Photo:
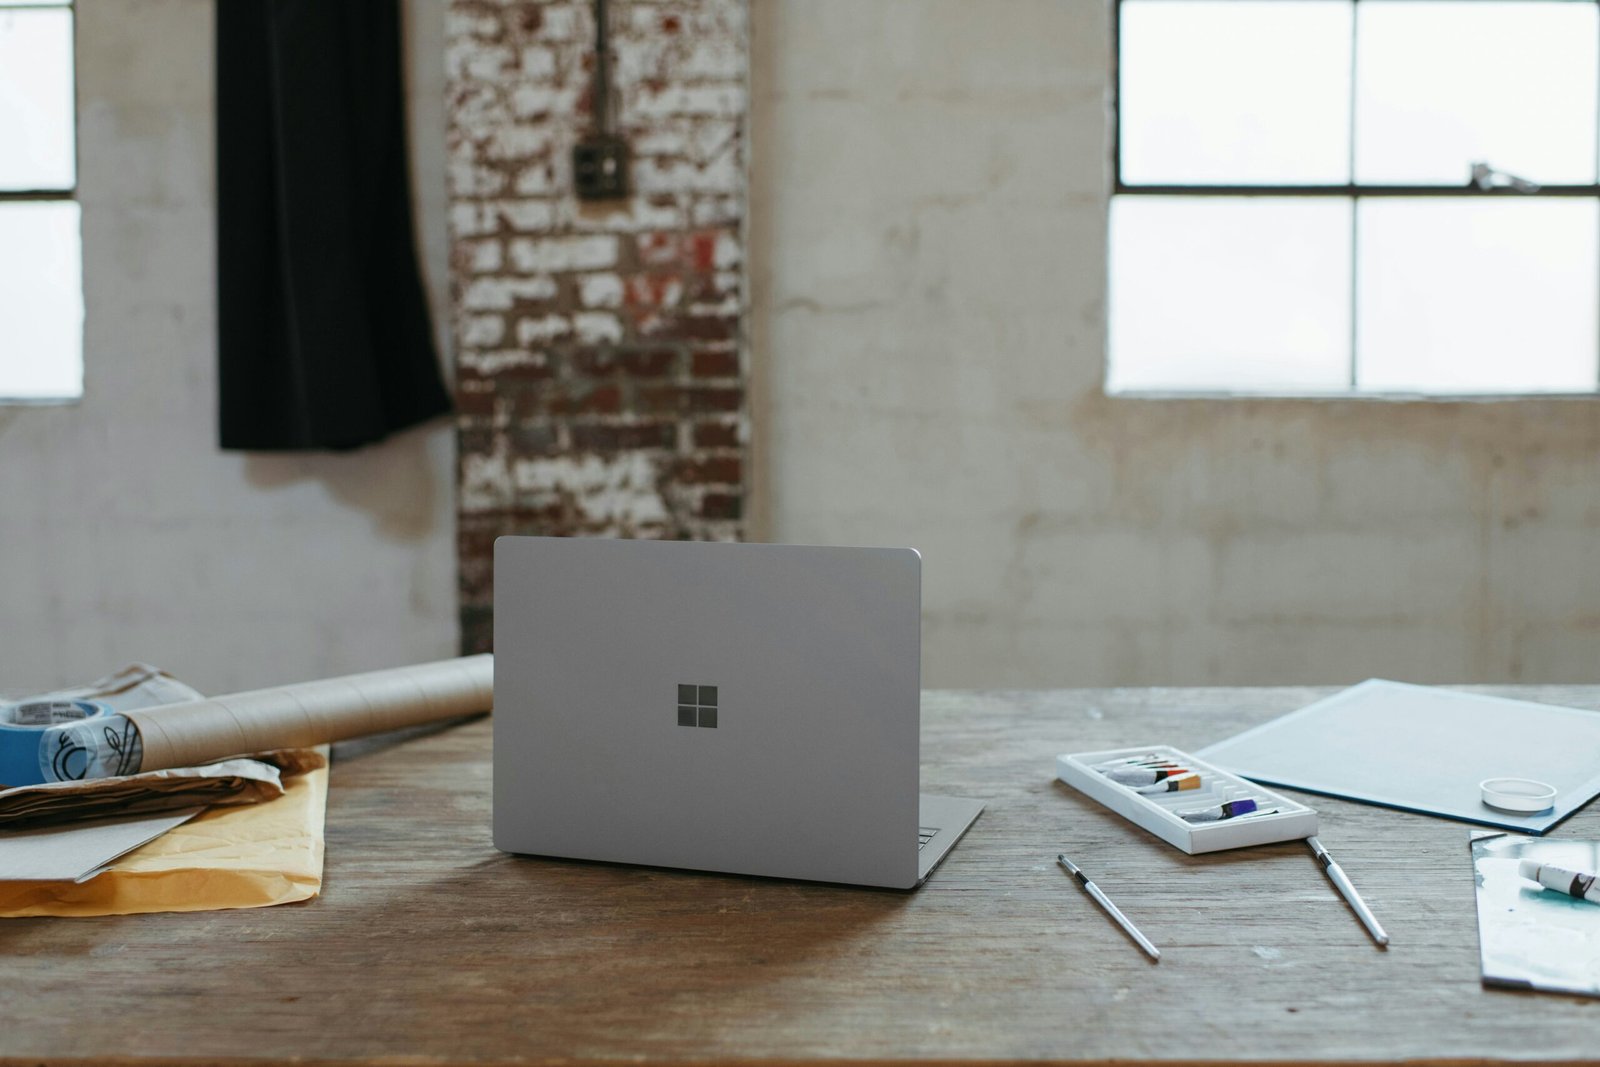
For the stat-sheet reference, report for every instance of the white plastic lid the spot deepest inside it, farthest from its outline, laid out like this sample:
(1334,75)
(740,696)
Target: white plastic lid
(1523,795)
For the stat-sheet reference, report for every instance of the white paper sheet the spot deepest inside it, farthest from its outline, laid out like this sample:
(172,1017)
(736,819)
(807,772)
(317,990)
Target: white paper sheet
(79,852)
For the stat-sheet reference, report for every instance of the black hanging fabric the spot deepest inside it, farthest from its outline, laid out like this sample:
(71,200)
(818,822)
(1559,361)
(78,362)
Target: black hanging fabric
(324,338)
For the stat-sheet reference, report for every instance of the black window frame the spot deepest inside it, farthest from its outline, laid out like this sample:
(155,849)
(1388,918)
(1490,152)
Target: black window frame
(1353,191)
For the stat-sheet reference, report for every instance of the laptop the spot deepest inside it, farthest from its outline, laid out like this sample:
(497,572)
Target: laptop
(741,708)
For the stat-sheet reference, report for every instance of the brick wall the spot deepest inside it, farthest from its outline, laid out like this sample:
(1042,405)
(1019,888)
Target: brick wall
(599,366)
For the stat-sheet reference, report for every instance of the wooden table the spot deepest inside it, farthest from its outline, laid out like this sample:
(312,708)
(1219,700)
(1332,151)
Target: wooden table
(429,946)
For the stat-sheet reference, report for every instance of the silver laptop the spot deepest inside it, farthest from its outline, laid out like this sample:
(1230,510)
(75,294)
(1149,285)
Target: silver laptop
(751,709)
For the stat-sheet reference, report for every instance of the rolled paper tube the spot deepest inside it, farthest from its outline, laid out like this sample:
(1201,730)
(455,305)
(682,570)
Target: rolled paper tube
(312,713)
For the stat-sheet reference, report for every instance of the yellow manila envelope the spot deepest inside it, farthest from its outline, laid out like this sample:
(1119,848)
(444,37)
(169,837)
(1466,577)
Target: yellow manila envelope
(249,856)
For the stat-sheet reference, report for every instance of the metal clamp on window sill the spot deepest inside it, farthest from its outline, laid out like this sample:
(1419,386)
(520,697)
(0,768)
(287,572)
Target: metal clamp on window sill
(1489,179)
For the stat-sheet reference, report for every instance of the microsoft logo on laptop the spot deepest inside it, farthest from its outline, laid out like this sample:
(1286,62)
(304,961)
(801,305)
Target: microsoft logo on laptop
(697,705)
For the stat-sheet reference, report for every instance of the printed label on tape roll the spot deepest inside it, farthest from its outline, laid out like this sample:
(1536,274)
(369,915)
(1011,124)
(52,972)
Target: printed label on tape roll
(95,748)
(48,712)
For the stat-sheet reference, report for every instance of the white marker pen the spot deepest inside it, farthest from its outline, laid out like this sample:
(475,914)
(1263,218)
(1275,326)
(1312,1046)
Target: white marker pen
(1580,884)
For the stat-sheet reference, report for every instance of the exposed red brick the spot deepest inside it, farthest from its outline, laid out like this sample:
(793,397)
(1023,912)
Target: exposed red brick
(626,314)
(476,576)
(711,288)
(716,364)
(476,441)
(476,533)
(535,439)
(722,506)
(688,399)
(477,629)
(489,526)
(702,250)
(566,398)
(544,511)
(537,369)
(692,252)
(716,435)
(653,291)
(628,362)
(623,437)
(675,327)
(712,470)
(658,249)
(474,402)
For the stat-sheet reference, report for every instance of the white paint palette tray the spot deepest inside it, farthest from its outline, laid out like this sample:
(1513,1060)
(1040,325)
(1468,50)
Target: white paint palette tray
(1275,818)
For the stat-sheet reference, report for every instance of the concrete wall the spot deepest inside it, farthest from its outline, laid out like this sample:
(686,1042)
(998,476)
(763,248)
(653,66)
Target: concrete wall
(928,201)
(124,533)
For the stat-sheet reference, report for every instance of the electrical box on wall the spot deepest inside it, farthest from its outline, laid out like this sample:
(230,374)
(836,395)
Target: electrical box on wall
(600,167)
(600,159)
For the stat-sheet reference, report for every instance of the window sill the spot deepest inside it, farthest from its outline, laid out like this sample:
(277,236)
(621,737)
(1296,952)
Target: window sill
(39,401)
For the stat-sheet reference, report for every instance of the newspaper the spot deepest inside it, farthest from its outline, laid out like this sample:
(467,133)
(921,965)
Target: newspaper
(137,685)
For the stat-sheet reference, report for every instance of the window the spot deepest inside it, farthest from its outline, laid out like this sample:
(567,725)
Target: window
(1355,196)
(41,274)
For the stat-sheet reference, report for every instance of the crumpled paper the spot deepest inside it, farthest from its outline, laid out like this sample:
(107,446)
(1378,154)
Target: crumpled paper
(235,781)
(240,856)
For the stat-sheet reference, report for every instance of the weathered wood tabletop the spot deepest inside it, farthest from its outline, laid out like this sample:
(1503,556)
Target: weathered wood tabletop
(427,945)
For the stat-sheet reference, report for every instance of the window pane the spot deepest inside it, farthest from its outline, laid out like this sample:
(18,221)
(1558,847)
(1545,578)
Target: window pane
(36,99)
(41,301)
(1243,295)
(1441,85)
(1468,296)
(1231,93)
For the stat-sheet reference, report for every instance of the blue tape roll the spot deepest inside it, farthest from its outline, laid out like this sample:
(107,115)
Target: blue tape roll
(23,730)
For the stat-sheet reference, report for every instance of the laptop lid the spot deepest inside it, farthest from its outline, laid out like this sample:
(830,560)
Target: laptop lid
(750,709)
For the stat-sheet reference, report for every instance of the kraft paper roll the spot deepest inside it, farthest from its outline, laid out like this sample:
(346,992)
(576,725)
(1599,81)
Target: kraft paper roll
(313,713)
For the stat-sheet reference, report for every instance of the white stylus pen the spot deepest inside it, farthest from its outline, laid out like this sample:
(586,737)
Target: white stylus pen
(1110,908)
(1341,882)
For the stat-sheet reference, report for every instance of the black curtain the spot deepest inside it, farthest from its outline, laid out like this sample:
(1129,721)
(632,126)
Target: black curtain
(324,339)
